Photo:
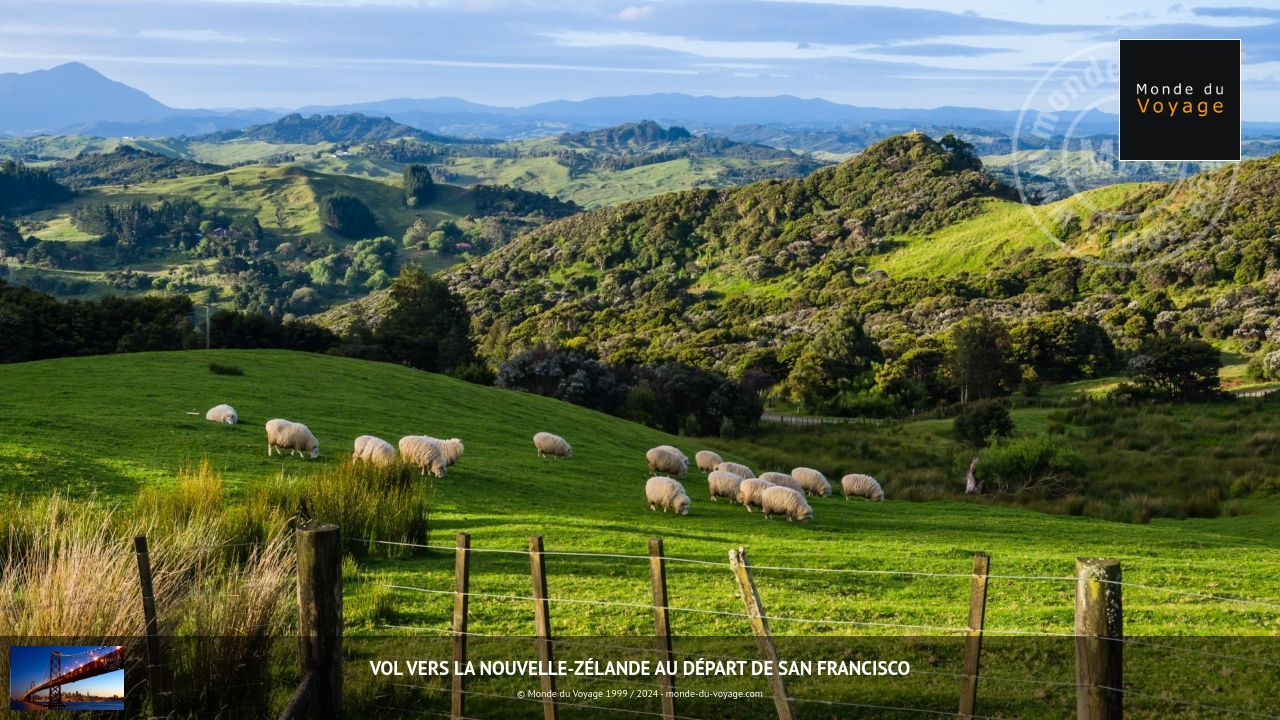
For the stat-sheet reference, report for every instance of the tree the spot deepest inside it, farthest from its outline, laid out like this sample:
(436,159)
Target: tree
(839,353)
(1174,368)
(347,215)
(974,427)
(418,186)
(980,358)
(427,326)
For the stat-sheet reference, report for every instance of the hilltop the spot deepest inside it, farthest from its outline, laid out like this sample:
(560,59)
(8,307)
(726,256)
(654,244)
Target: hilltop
(126,165)
(252,236)
(613,276)
(910,236)
(348,128)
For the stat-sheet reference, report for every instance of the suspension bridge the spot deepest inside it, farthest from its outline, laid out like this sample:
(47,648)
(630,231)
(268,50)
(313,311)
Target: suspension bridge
(87,664)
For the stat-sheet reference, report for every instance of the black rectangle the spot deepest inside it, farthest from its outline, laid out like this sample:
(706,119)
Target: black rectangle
(1180,100)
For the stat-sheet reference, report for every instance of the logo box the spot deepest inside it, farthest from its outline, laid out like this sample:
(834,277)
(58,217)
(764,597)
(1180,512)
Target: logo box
(1180,100)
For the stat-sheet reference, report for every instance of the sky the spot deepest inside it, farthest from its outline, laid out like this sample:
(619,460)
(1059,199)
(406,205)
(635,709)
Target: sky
(900,53)
(32,663)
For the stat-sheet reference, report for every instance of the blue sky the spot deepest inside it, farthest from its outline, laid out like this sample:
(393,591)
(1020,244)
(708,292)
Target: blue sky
(908,53)
(32,663)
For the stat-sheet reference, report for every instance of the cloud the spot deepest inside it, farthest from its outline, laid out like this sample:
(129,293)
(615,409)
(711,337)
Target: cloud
(1238,11)
(937,50)
(201,36)
(635,12)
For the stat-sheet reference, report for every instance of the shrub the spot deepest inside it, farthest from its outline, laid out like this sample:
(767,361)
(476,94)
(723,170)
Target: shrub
(1033,463)
(347,215)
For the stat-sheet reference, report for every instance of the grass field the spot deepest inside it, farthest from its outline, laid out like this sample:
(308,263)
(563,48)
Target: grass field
(105,427)
(107,430)
(1000,231)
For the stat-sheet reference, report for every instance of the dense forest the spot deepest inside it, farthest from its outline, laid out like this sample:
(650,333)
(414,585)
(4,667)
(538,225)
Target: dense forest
(772,278)
(127,165)
(25,189)
(346,128)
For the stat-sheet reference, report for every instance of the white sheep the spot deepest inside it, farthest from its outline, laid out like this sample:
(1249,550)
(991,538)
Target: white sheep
(552,445)
(749,491)
(813,482)
(222,414)
(738,469)
(707,460)
(723,484)
(783,479)
(452,450)
(424,453)
(666,459)
(373,450)
(677,451)
(295,437)
(863,486)
(666,493)
(785,501)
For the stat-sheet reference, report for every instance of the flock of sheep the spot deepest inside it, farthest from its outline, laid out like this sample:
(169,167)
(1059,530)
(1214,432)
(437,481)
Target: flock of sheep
(426,453)
(775,493)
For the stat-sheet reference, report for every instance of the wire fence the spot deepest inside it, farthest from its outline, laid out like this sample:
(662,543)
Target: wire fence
(824,625)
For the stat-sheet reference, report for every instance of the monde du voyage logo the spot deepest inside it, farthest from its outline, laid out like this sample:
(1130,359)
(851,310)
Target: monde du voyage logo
(1179,100)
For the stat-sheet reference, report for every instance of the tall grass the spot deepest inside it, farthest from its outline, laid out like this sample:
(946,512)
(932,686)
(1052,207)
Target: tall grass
(369,503)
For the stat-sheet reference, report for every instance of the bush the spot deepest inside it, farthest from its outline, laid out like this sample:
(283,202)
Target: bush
(347,215)
(1034,463)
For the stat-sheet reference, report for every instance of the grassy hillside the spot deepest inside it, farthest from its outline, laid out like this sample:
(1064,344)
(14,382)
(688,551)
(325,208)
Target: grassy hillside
(1000,232)
(131,427)
(260,190)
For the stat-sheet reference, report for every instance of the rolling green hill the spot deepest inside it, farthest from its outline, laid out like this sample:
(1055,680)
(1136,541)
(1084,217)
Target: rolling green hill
(103,430)
(140,419)
(284,202)
(910,237)
(602,167)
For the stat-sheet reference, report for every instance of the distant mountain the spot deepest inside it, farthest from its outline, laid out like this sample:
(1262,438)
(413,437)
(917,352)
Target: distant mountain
(348,128)
(702,112)
(67,95)
(189,122)
(126,165)
(628,135)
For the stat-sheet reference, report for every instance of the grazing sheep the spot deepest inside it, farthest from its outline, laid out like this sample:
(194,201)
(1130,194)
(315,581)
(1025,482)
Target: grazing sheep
(222,414)
(783,479)
(723,484)
(666,459)
(813,482)
(552,445)
(677,451)
(452,450)
(738,469)
(668,494)
(863,486)
(707,460)
(749,492)
(373,450)
(295,437)
(424,453)
(785,501)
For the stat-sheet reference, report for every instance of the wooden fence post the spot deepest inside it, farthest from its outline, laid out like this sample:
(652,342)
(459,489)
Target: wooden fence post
(461,588)
(973,635)
(155,664)
(760,627)
(1099,640)
(542,628)
(662,626)
(320,616)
